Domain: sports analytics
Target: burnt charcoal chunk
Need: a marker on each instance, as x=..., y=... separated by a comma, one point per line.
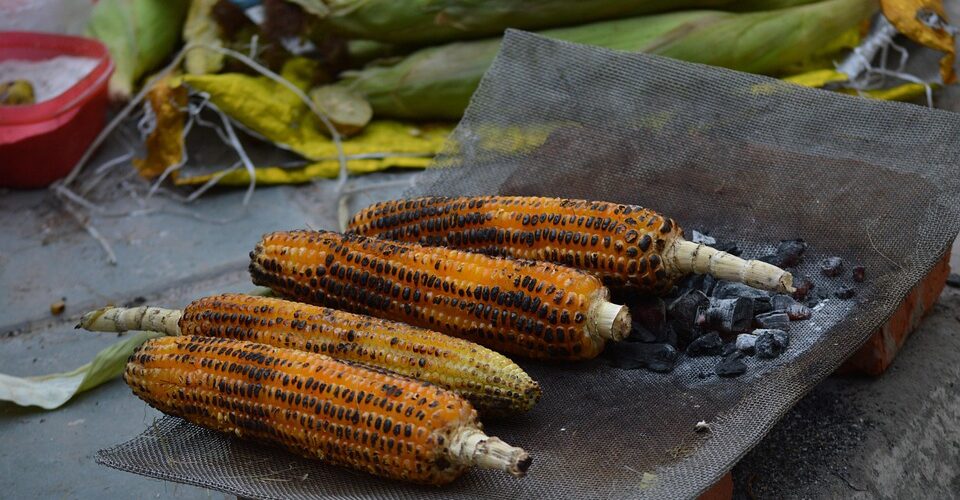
x=768, y=346
x=776, y=320
x=860, y=274
x=953, y=280
x=804, y=286
x=729, y=348
x=780, y=337
x=706, y=345
x=727, y=315
x=670, y=335
x=698, y=237
x=685, y=309
x=731, y=366
x=733, y=290
x=692, y=282
x=640, y=333
x=633, y=355
x=762, y=305
x=649, y=313
x=845, y=293
x=831, y=267
x=745, y=343
x=795, y=310
x=787, y=254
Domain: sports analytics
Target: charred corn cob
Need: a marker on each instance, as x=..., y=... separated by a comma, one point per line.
x=490, y=381
x=623, y=244
x=319, y=407
x=533, y=309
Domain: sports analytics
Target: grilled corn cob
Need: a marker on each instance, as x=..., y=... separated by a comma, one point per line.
x=623, y=244
x=490, y=381
x=533, y=309
x=319, y=407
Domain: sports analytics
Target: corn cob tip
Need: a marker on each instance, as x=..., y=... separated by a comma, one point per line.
x=471, y=447
x=121, y=319
x=688, y=257
x=612, y=321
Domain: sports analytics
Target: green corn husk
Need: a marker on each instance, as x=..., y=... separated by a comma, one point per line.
x=140, y=34
x=437, y=82
x=427, y=22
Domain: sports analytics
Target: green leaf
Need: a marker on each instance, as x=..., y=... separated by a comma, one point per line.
x=52, y=391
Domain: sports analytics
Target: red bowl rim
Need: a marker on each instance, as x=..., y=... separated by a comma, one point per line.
x=58, y=45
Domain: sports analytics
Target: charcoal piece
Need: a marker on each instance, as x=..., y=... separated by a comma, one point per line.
x=708, y=283
x=803, y=287
x=659, y=358
x=745, y=343
x=953, y=280
x=860, y=274
x=698, y=237
x=780, y=337
x=777, y=320
x=762, y=305
x=787, y=254
x=732, y=290
x=649, y=313
x=691, y=282
x=685, y=309
x=729, y=247
x=831, y=267
x=795, y=310
x=731, y=366
x=706, y=345
x=639, y=333
x=727, y=315
x=845, y=293
x=729, y=348
x=768, y=346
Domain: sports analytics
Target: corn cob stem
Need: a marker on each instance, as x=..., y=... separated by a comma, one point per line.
x=121, y=319
x=492, y=382
x=685, y=257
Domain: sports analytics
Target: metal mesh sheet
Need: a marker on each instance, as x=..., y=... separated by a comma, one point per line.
x=755, y=160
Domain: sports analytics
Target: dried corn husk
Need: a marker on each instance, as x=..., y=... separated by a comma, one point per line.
x=437, y=82
x=140, y=34
x=425, y=22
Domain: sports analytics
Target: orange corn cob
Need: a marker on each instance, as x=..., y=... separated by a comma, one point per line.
x=533, y=309
x=318, y=407
x=623, y=244
x=489, y=380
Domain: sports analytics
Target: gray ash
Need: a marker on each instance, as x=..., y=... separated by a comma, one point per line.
x=731, y=365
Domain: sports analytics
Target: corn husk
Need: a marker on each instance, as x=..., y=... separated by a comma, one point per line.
x=140, y=34
x=200, y=28
x=427, y=22
x=437, y=82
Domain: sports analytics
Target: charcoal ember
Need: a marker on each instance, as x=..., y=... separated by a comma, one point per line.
x=762, y=305
x=795, y=310
x=659, y=358
x=729, y=348
x=732, y=365
x=709, y=282
x=685, y=309
x=768, y=345
x=803, y=288
x=781, y=337
x=776, y=319
x=729, y=247
x=831, y=267
x=845, y=293
x=709, y=344
x=691, y=282
x=649, y=313
x=953, y=280
x=669, y=334
x=727, y=315
x=745, y=343
x=698, y=237
x=860, y=274
x=787, y=254
x=640, y=333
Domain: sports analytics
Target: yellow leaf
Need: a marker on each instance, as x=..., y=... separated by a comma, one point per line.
x=165, y=143
x=908, y=15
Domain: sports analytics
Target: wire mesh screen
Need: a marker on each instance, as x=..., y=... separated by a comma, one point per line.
x=751, y=158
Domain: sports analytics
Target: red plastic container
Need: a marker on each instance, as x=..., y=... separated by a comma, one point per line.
x=40, y=143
